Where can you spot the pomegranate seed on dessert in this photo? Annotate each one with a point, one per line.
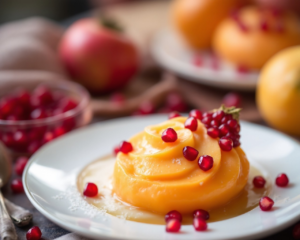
(296, 231)
(175, 102)
(266, 203)
(232, 124)
(206, 120)
(174, 115)
(238, 128)
(226, 144)
(146, 108)
(173, 215)
(218, 115)
(116, 150)
(48, 137)
(20, 165)
(259, 182)
(213, 132)
(191, 123)
(190, 153)
(38, 113)
(169, 135)
(199, 224)
(236, 142)
(282, 180)
(223, 130)
(34, 233)
(196, 114)
(206, 162)
(226, 118)
(173, 225)
(90, 190)
(202, 214)
(125, 147)
(43, 95)
(207, 114)
(214, 123)
(232, 100)
(17, 186)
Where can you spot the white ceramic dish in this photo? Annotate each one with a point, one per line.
(50, 178)
(171, 53)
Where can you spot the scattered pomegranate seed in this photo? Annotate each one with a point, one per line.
(223, 130)
(199, 224)
(90, 190)
(190, 153)
(175, 102)
(266, 203)
(174, 115)
(218, 115)
(226, 144)
(17, 186)
(173, 225)
(202, 214)
(213, 132)
(191, 123)
(34, 233)
(259, 182)
(125, 147)
(169, 135)
(20, 165)
(173, 215)
(116, 150)
(232, 100)
(206, 162)
(196, 114)
(296, 231)
(146, 108)
(282, 180)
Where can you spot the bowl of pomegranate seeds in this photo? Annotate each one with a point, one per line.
(36, 112)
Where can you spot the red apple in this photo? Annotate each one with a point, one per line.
(97, 56)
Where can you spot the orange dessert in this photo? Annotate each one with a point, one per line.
(251, 36)
(159, 174)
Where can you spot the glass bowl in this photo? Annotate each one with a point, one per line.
(24, 137)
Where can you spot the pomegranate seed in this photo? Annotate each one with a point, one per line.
(282, 180)
(223, 130)
(236, 142)
(226, 118)
(169, 135)
(213, 132)
(8, 140)
(20, 138)
(202, 214)
(218, 115)
(232, 124)
(175, 102)
(190, 153)
(33, 147)
(69, 124)
(173, 225)
(36, 133)
(174, 115)
(206, 120)
(90, 190)
(125, 147)
(17, 186)
(196, 114)
(117, 98)
(38, 113)
(146, 108)
(296, 231)
(20, 165)
(238, 128)
(226, 144)
(214, 123)
(59, 131)
(259, 182)
(232, 100)
(116, 150)
(191, 123)
(42, 95)
(67, 104)
(173, 215)
(207, 114)
(34, 233)
(199, 224)
(266, 203)
(206, 162)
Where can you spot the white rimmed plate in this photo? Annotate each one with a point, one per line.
(50, 177)
(171, 53)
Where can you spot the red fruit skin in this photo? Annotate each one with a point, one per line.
(34, 233)
(99, 58)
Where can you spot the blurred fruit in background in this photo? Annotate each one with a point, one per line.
(197, 20)
(251, 36)
(97, 55)
(293, 5)
(278, 91)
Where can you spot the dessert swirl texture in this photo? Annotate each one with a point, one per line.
(157, 177)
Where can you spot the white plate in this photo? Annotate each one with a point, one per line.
(50, 178)
(171, 53)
